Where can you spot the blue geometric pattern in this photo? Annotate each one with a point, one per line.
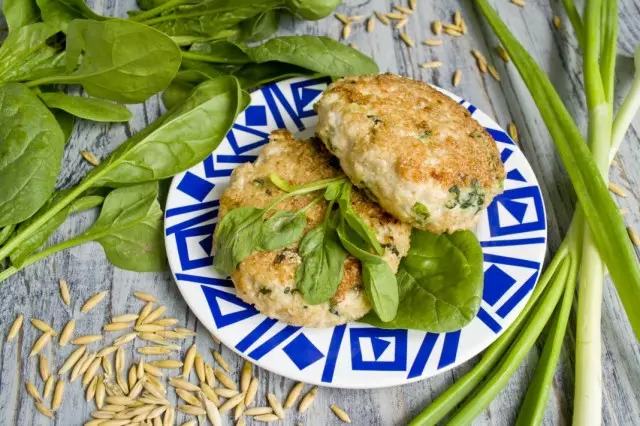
(195, 186)
(214, 298)
(360, 360)
(510, 203)
(512, 233)
(302, 352)
(496, 283)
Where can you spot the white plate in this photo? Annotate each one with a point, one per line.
(512, 231)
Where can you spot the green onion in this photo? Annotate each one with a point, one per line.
(502, 359)
(602, 214)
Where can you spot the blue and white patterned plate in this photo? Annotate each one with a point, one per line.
(512, 232)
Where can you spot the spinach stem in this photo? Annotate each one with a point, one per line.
(53, 79)
(305, 189)
(195, 56)
(311, 204)
(39, 256)
(178, 16)
(21, 236)
(158, 10)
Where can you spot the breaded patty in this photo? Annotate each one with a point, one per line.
(414, 150)
(267, 279)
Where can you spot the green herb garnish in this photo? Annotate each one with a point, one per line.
(421, 213)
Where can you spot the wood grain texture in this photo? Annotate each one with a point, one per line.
(34, 292)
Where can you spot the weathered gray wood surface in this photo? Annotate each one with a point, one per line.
(34, 292)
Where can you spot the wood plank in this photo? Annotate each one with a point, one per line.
(34, 292)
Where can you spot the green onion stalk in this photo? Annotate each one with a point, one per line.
(599, 65)
(552, 298)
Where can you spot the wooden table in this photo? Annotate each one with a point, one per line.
(34, 292)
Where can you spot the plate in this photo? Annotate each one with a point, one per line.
(512, 232)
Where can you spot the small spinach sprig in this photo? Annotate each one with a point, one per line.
(323, 257)
(359, 240)
(243, 230)
(323, 250)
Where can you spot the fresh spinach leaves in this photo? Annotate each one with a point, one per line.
(66, 122)
(36, 240)
(219, 52)
(173, 143)
(29, 52)
(61, 12)
(311, 10)
(87, 108)
(31, 145)
(204, 18)
(6, 232)
(260, 27)
(440, 283)
(323, 55)
(377, 276)
(118, 60)
(130, 225)
(19, 13)
(355, 222)
(237, 236)
(382, 289)
(128, 228)
(283, 228)
(320, 272)
(254, 75)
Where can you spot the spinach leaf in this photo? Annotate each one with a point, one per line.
(176, 93)
(31, 145)
(209, 17)
(6, 232)
(66, 122)
(440, 283)
(129, 229)
(382, 289)
(138, 248)
(260, 26)
(312, 10)
(379, 280)
(36, 240)
(320, 272)
(355, 222)
(320, 54)
(87, 108)
(282, 229)
(121, 61)
(150, 4)
(354, 244)
(334, 190)
(210, 70)
(254, 75)
(61, 12)
(218, 51)
(173, 143)
(28, 53)
(237, 235)
(192, 74)
(19, 13)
